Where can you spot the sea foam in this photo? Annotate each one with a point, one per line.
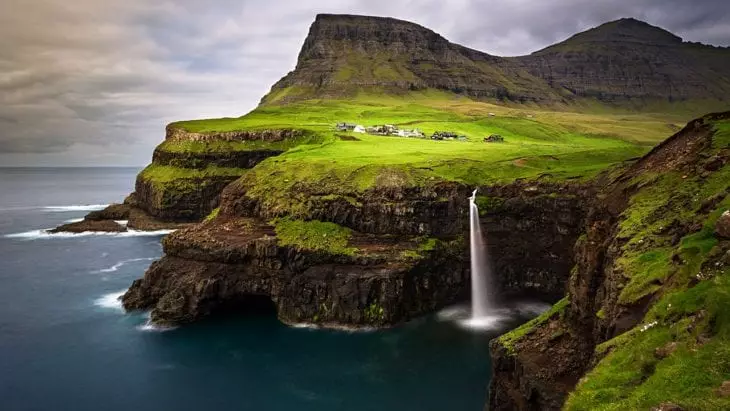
(45, 234)
(73, 220)
(87, 207)
(119, 265)
(111, 300)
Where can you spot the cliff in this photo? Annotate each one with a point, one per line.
(622, 62)
(628, 60)
(374, 258)
(644, 303)
(344, 55)
(188, 172)
(345, 229)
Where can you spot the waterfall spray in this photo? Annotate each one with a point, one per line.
(480, 273)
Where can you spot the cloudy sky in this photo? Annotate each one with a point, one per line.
(93, 82)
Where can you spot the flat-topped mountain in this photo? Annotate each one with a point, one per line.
(344, 55)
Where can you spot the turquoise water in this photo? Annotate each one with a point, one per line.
(66, 344)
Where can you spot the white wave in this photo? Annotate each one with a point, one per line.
(334, 327)
(150, 327)
(45, 234)
(453, 313)
(73, 220)
(87, 207)
(118, 265)
(111, 300)
(487, 322)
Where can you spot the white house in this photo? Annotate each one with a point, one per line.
(358, 129)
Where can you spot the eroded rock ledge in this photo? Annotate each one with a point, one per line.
(175, 133)
(405, 255)
(217, 266)
(113, 218)
(650, 212)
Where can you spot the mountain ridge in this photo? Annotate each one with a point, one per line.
(621, 60)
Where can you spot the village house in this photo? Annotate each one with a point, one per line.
(345, 126)
(410, 133)
(359, 129)
(443, 135)
(494, 138)
(383, 130)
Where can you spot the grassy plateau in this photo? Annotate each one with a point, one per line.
(556, 143)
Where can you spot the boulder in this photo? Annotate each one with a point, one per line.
(112, 212)
(722, 227)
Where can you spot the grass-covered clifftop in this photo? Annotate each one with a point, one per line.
(648, 299)
(680, 351)
(563, 143)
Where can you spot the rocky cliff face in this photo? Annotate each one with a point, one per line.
(629, 59)
(403, 255)
(639, 249)
(531, 229)
(345, 54)
(224, 265)
(621, 61)
(189, 170)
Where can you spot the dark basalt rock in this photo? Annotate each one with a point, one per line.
(629, 60)
(219, 266)
(722, 227)
(106, 220)
(184, 200)
(530, 236)
(437, 210)
(90, 225)
(111, 212)
(233, 159)
(430, 60)
(540, 371)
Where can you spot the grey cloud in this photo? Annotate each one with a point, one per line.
(95, 81)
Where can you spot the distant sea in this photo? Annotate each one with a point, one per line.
(66, 344)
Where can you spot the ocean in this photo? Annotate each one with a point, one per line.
(66, 344)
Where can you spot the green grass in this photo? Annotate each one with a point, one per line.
(692, 295)
(632, 377)
(213, 214)
(223, 146)
(509, 339)
(165, 174)
(314, 235)
(539, 143)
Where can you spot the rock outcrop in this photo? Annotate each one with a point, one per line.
(344, 54)
(226, 264)
(405, 255)
(637, 249)
(189, 170)
(626, 62)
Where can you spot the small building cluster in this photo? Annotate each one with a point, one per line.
(494, 138)
(380, 130)
(345, 126)
(447, 135)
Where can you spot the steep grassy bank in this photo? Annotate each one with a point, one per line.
(648, 298)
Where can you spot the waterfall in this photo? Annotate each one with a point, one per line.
(480, 273)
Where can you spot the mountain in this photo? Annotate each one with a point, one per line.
(628, 59)
(344, 55)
